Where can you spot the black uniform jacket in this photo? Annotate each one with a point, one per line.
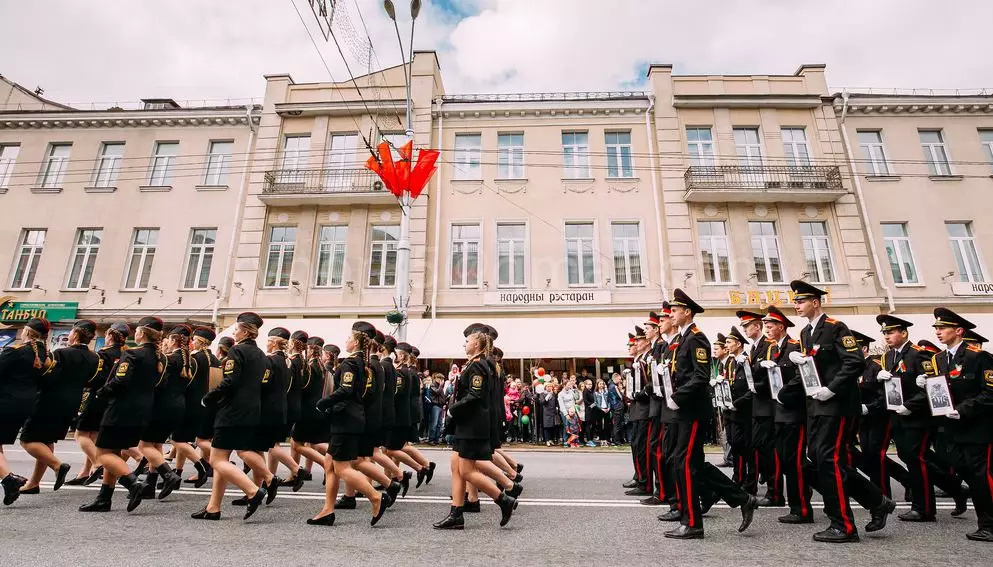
(312, 390)
(668, 349)
(839, 363)
(401, 401)
(656, 402)
(389, 393)
(641, 405)
(741, 396)
(690, 369)
(238, 398)
(872, 393)
(374, 400)
(970, 380)
(414, 395)
(345, 405)
(61, 386)
(19, 379)
(131, 390)
(170, 391)
(906, 365)
(200, 363)
(295, 388)
(274, 386)
(791, 401)
(470, 411)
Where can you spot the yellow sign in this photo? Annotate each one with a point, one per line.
(764, 298)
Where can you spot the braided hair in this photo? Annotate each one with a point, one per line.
(33, 338)
(485, 344)
(115, 337)
(154, 338)
(314, 353)
(200, 343)
(184, 350)
(82, 335)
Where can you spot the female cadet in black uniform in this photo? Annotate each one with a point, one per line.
(20, 368)
(387, 345)
(347, 415)
(469, 415)
(298, 372)
(60, 392)
(131, 395)
(276, 393)
(167, 412)
(88, 423)
(424, 466)
(311, 432)
(238, 402)
(201, 362)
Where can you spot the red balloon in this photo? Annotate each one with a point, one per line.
(541, 371)
(526, 410)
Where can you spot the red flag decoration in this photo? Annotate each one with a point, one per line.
(400, 177)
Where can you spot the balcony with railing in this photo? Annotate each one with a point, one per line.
(290, 187)
(763, 184)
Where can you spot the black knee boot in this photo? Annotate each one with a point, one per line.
(170, 480)
(102, 502)
(454, 520)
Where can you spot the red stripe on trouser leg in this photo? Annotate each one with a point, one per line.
(884, 484)
(927, 481)
(689, 482)
(658, 463)
(989, 475)
(840, 482)
(741, 469)
(648, 455)
(804, 505)
(779, 473)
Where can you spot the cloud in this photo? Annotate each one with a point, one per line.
(122, 50)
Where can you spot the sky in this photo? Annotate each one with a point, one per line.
(124, 50)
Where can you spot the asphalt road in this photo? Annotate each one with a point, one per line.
(572, 512)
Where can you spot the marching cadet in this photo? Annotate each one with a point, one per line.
(238, 400)
(197, 384)
(506, 461)
(720, 367)
(656, 484)
(833, 412)
(763, 414)
(274, 408)
(690, 368)
(207, 376)
(298, 369)
(415, 395)
(739, 420)
(131, 397)
(667, 443)
(967, 371)
(790, 414)
(638, 415)
(875, 426)
(20, 367)
(88, 423)
(60, 392)
(388, 407)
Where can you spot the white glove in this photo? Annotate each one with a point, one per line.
(713, 382)
(902, 410)
(767, 364)
(671, 404)
(884, 375)
(823, 394)
(865, 409)
(797, 358)
(922, 381)
(741, 358)
(954, 414)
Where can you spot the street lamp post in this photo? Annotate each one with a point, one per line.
(403, 247)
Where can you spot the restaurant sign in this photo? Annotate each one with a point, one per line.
(764, 298)
(20, 311)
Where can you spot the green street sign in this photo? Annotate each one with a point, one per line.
(20, 311)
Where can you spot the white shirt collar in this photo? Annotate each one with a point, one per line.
(954, 349)
(682, 330)
(815, 321)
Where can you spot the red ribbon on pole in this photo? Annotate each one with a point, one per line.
(399, 177)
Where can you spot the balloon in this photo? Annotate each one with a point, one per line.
(525, 420)
(526, 410)
(541, 380)
(541, 371)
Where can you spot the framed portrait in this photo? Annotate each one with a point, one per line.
(748, 376)
(894, 393)
(811, 379)
(656, 383)
(939, 397)
(775, 381)
(726, 386)
(718, 396)
(667, 382)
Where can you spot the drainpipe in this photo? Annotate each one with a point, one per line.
(437, 218)
(655, 193)
(238, 216)
(862, 208)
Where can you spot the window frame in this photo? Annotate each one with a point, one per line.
(577, 152)
(621, 172)
(115, 167)
(985, 142)
(34, 252)
(699, 154)
(90, 254)
(715, 265)
(220, 178)
(526, 251)
(384, 262)
(46, 178)
(826, 238)
(163, 178)
(144, 258)
(465, 254)
(282, 246)
(595, 253)
(765, 254)
(936, 168)
(332, 244)
(202, 254)
(957, 243)
(467, 163)
(870, 158)
(514, 157)
(748, 160)
(300, 159)
(7, 164)
(790, 148)
(899, 254)
(640, 241)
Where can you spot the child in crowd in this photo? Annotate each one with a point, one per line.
(572, 428)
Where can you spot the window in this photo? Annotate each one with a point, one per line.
(576, 155)
(765, 252)
(897, 243)
(748, 147)
(985, 136)
(56, 163)
(966, 254)
(28, 255)
(619, 154)
(467, 156)
(162, 163)
(83, 258)
(465, 255)
(871, 142)
(218, 162)
(383, 255)
(331, 256)
(296, 151)
(8, 157)
(202, 241)
(143, 245)
(817, 251)
(511, 252)
(510, 160)
(108, 164)
(340, 161)
(795, 147)
(579, 253)
(282, 242)
(700, 142)
(934, 152)
(627, 253)
(714, 251)
(396, 140)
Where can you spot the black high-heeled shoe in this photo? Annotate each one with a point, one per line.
(327, 520)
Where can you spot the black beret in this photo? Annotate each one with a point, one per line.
(183, 330)
(250, 318)
(365, 328)
(300, 336)
(315, 341)
(226, 342)
(415, 351)
(281, 332)
(390, 343)
(41, 326)
(122, 328)
(380, 337)
(153, 323)
(497, 352)
(473, 328)
(333, 349)
(205, 333)
(404, 347)
(86, 325)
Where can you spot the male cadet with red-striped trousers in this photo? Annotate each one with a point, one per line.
(690, 368)
(832, 418)
(763, 413)
(657, 401)
(638, 415)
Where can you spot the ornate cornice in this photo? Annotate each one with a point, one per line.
(903, 105)
(79, 120)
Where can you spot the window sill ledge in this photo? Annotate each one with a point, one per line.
(193, 289)
(881, 178)
(327, 287)
(909, 285)
(18, 289)
(622, 179)
(719, 284)
(510, 180)
(132, 290)
(100, 189)
(154, 188)
(46, 190)
(74, 290)
(945, 177)
(468, 181)
(211, 187)
(579, 179)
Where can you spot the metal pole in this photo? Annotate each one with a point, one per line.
(403, 248)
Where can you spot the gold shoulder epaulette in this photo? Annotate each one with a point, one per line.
(695, 329)
(793, 341)
(975, 348)
(830, 320)
(917, 348)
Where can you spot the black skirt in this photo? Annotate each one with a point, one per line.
(92, 414)
(160, 429)
(9, 427)
(190, 426)
(206, 429)
(268, 435)
(45, 429)
(117, 438)
(344, 447)
(413, 435)
(312, 431)
(396, 438)
(236, 438)
(473, 449)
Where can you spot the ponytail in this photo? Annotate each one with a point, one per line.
(117, 338)
(485, 344)
(184, 351)
(154, 338)
(33, 337)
